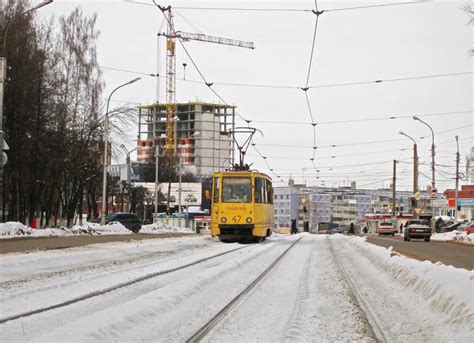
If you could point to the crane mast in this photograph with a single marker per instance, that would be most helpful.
(170, 85)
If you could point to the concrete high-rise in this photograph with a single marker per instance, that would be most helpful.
(203, 135)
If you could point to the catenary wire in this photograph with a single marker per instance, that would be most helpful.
(248, 9)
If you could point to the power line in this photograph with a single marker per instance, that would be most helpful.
(360, 120)
(361, 143)
(271, 9)
(328, 85)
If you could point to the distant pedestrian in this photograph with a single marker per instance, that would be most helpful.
(401, 228)
(365, 230)
(294, 230)
(351, 229)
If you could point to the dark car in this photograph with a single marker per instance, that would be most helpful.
(453, 226)
(417, 228)
(129, 220)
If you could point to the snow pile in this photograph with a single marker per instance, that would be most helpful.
(10, 229)
(164, 228)
(16, 230)
(455, 235)
(446, 288)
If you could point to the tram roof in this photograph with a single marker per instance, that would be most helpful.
(242, 173)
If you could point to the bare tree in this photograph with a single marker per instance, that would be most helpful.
(469, 9)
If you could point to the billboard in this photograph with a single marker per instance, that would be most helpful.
(190, 192)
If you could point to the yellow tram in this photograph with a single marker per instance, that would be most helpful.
(242, 206)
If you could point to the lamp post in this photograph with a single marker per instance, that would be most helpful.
(127, 160)
(129, 167)
(415, 170)
(3, 76)
(433, 183)
(106, 131)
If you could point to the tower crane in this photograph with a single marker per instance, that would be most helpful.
(171, 36)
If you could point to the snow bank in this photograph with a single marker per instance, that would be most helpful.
(164, 228)
(16, 230)
(446, 288)
(458, 236)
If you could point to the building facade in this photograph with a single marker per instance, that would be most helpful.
(202, 135)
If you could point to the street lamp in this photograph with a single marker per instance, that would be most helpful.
(3, 76)
(106, 131)
(433, 183)
(415, 170)
(127, 160)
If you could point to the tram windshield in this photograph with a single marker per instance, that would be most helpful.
(236, 189)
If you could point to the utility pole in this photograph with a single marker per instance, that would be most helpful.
(415, 173)
(179, 189)
(3, 67)
(394, 186)
(157, 156)
(457, 177)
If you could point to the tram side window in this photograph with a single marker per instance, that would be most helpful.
(258, 190)
(269, 192)
(264, 192)
(216, 189)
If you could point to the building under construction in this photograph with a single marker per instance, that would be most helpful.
(202, 135)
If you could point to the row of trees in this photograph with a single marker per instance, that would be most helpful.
(53, 117)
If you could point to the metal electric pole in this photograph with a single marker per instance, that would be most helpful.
(394, 186)
(3, 66)
(457, 177)
(415, 177)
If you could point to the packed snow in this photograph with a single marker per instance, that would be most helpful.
(305, 298)
(16, 230)
(456, 236)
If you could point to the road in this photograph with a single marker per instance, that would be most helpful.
(454, 254)
(295, 288)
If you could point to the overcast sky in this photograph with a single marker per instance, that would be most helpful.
(351, 46)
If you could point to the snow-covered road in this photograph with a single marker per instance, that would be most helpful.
(325, 288)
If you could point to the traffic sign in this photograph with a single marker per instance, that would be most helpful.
(440, 203)
(418, 195)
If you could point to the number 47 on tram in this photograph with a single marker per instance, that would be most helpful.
(242, 206)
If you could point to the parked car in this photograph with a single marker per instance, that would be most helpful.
(453, 226)
(326, 228)
(417, 228)
(190, 198)
(468, 227)
(337, 229)
(386, 229)
(129, 220)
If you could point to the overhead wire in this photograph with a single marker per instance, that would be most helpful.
(327, 85)
(272, 9)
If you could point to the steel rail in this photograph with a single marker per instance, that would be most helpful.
(206, 328)
(371, 318)
(112, 288)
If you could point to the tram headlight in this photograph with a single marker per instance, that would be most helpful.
(223, 220)
(249, 220)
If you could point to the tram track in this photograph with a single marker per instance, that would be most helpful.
(112, 288)
(370, 316)
(221, 315)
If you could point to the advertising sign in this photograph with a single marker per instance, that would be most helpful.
(190, 192)
(440, 203)
(465, 202)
